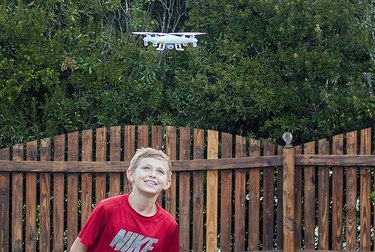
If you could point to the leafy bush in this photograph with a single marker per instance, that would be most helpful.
(263, 68)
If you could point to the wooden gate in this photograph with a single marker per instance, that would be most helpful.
(228, 192)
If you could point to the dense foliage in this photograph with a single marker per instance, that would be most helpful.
(265, 67)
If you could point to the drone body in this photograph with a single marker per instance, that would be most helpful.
(164, 41)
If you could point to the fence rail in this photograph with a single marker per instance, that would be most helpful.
(186, 165)
(227, 192)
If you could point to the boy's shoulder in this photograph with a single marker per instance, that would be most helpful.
(114, 201)
(166, 215)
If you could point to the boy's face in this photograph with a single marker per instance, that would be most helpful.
(150, 176)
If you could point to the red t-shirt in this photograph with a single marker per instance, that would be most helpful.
(115, 226)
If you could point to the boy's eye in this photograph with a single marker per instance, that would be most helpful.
(146, 168)
(161, 172)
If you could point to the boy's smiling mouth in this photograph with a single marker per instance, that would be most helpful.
(150, 182)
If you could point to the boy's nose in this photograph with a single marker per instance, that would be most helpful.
(152, 173)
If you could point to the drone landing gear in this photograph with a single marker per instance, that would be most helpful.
(178, 47)
(161, 47)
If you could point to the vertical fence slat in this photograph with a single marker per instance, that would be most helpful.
(115, 155)
(323, 195)
(45, 198)
(156, 137)
(289, 189)
(86, 178)
(129, 145)
(337, 195)
(142, 136)
(101, 152)
(72, 204)
(212, 197)
(156, 143)
(58, 196)
(309, 199)
(30, 217)
(351, 194)
(184, 192)
(268, 200)
(198, 193)
(279, 207)
(4, 203)
(240, 200)
(226, 196)
(298, 202)
(365, 190)
(17, 202)
(254, 199)
(171, 194)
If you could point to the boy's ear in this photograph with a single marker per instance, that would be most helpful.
(130, 175)
(169, 182)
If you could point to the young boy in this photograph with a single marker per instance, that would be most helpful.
(134, 221)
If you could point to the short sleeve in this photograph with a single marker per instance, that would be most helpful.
(93, 226)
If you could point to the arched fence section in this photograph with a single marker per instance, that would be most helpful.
(228, 192)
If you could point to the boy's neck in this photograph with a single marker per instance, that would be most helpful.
(141, 204)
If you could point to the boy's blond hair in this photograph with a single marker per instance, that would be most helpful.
(150, 153)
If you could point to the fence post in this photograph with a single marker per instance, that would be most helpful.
(288, 194)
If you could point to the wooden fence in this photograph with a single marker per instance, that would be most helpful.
(228, 192)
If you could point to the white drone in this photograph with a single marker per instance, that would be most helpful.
(170, 40)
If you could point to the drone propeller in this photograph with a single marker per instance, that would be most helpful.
(149, 33)
(188, 33)
(141, 33)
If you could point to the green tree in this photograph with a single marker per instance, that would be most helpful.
(263, 68)
(272, 66)
(68, 65)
